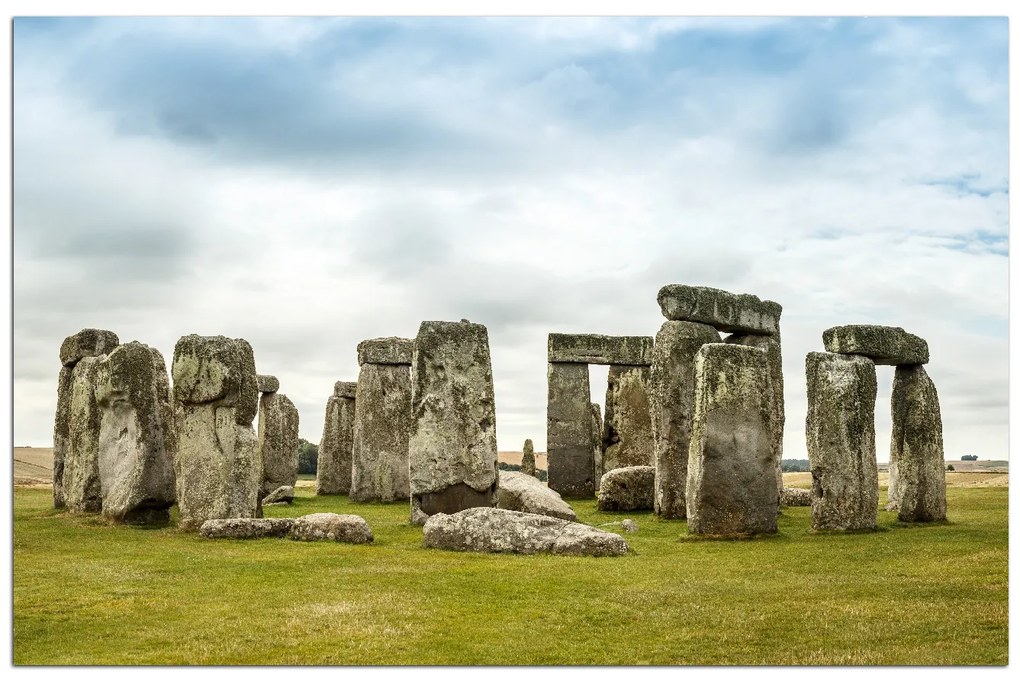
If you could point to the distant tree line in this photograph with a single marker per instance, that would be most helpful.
(969, 457)
(308, 457)
(795, 465)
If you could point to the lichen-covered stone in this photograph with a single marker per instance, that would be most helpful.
(920, 488)
(731, 481)
(627, 432)
(216, 369)
(333, 472)
(630, 488)
(347, 389)
(87, 343)
(597, 442)
(382, 427)
(387, 350)
(569, 431)
(841, 392)
(329, 526)
(739, 313)
(267, 383)
(508, 531)
(524, 493)
(671, 403)
(246, 528)
(81, 483)
(278, 442)
(137, 441)
(61, 433)
(600, 349)
(883, 345)
(528, 459)
(793, 497)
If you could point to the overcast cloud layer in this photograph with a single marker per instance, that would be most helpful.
(306, 184)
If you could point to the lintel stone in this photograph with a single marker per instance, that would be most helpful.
(727, 312)
(600, 349)
(884, 345)
(387, 350)
(346, 389)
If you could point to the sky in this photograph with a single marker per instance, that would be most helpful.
(308, 183)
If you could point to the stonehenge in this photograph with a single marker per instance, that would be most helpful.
(382, 421)
(730, 313)
(916, 453)
(333, 472)
(452, 449)
(278, 440)
(883, 345)
(569, 431)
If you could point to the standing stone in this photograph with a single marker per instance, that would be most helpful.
(731, 480)
(628, 422)
(917, 447)
(278, 442)
(333, 472)
(137, 442)
(528, 458)
(841, 391)
(569, 431)
(382, 425)
(81, 485)
(671, 400)
(597, 435)
(453, 459)
(217, 466)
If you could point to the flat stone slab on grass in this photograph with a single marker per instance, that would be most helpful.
(387, 350)
(247, 527)
(884, 345)
(524, 493)
(330, 526)
(498, 530)
(792, 496)
(737, 313)
(630, 488)
(600, 349)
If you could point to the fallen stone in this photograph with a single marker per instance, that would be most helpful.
(87, 343)
(624, 489)
(382, 428)
(281, 495)
(627, 432)
(329, 526)
(268, 384)
(600, 349)
(916, 450)
(389, 350)
(245, 528)
(884, 345)
(793, 497)
(278, 442)
(524, 493)
(570, 431)
(498, 530)
(333, 472)
(528, 458)
(737, 313)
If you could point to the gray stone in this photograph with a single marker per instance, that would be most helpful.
(347, 389)
(629, 525)
(916, 450)
(329, 526)
(267, 384)
(87, 343)
(218, 466)
(81, 484)
(382, 427)
(731, 481)
(278, 442)
(525, 493)
(884, 345)
(528, 459)
(569, 431)
(600, 349)
(630, 488)
(246, 528)
(794, 497)
(739, 313)
(137, 440)
(671, 402)
(597, 441)
(388, 350)
(61, 433)
(279, 495)
(840, 429)
(333, 472)
(498, 530)
(453, 460)
(627, 432)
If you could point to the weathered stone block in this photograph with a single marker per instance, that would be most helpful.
(281, 495)
(631, 488)
(453, 460)
(388, 350)
(792, 496)
(627, 433)
(267, 384)
(883, 345)
(841, 392)
(247, 528)
(600, 349)
(598, 434)
(569, 431)
(278, 442)
(528, 459)
(916, 449)
(525, 493)
(739, 313)
(216, 369)
(329, 526)
(61, 432)
(382, 428)
(731, 481)
(81, 483)
(87, 343)
(333, 473)
(347, 389)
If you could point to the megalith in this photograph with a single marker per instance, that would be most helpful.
(528, 458)
(628, 424)
(731, 481)
(137, 442)
(671, 402)
(732, 313)
(569, 431)
(453, 459)
(278, 442)
(82, 487)
(841, 391)
(882, 344)
(333, 472)
(382, 421)
(597, 441)
(218, 467)
(916, 449)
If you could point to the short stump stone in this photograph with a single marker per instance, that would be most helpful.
(330, 526)
(246, 527)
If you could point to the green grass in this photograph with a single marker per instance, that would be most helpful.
(89, 593)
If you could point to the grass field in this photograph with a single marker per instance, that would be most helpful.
(89, 593)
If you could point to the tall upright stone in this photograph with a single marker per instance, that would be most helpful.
(61, 432)
(217, 466)
(841, 391)
(916, 449)
(278, 442)
(598, 434)
(82, 487)
(671, 400)
(731, 481)
(333, 472)
(628, 423)
(382, 421)
(137, 441)
(569, 428)
(453, 459)
(528, 458)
